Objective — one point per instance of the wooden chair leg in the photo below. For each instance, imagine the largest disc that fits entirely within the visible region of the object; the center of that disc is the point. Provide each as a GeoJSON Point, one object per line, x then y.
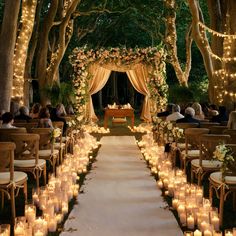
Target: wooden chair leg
{"type": "Point", "coordinates": [199, 177]}
{"type": "Point", "coordinates": [25, 191]}
{"type": "Point", "coordinates": [13, 207]}
{"type": "Point", "coordinates": [2, 203]}
{"type": "Point", "coordinates": [221, 208]}
{"type": "Point", "coordinates": [45, 174]}
{"type": "Point", "coordinates": [37, 178]}
{"type": "Point", "coordinates": [211, 193]}
{"type": "Point", "coordinates": [192, 175]}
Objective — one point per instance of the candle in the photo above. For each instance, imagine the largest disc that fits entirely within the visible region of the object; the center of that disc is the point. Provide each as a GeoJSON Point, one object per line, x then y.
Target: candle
{"type": "Point", "coordinates": [52, 225]}
{"type": "Point", "coordinates": [160, 184]}
{"type": "Point", "coordinates": [228, 233]}
{"type": "Point", "coordinates": [175, 203]}
{"type": "Point", "coordinates": [207, 233]}
{"type": "Point", "coordinates": [215, 221]}
{"type": "Point", "coordinates": [190, 222]}
{"type": "Point", "coordinates": [182, 217]}
{"type": "Point", "coordinates": [30, 213]}
{"type": "Point", "coordinates": [19, 230]}
{"type": "Point", "coordinates": [217, 233]}
{"type": "Point", "coordinates": [38, 233]}
{"type": "Point", "coordinates": [59, 218]}
{"type": "Point", "coordinates": [197, 233]}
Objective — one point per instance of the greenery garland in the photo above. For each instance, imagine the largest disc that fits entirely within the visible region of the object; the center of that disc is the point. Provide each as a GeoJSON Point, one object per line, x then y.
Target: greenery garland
{"type": "Point", "coordinates": [83, 57]}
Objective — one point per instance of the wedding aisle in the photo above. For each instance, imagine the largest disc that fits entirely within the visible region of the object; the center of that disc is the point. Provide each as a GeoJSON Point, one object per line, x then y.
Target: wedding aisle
{"type": "Point", "coordinates": [120, 197]}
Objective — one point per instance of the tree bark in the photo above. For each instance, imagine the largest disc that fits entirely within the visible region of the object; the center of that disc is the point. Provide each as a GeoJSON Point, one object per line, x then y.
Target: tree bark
{"type": "Point", "coordinates": [7, 45]}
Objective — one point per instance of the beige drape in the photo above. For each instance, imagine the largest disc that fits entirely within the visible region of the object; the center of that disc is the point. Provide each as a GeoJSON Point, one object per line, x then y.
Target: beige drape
{"type": "Point", "coordinates": [137, 74]}
{"type": "Point", "coordinates": [138, 78]}
{"type": "Point", "coordinates": [99, 78]}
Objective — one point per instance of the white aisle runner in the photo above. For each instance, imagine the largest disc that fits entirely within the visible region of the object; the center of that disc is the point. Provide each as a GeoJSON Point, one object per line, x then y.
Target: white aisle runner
{"type": "Point", "coordinates": [120, 197]}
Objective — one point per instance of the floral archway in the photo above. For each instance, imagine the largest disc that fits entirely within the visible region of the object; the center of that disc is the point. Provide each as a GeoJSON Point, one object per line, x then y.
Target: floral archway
{"type": "Point", "coordinates": [145, 68]}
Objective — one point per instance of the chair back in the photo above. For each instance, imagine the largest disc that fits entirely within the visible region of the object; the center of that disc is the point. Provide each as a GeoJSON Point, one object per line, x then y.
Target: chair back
{"type": "Point", "coordinates": [28, 126]}
{"type": "Point", "coordinates": [232, 133]}
{"type": "Point", "coordinates": [185, 126]}
{"type": "Point", "coordinates": [208, 144]}
{"type": "Point", "coordinates": [217, 129]}
{"type": "Point", "coordinates": [34, 121]}
{"type": "Point", "coordinates": [192, 137]}
{"type": "Point", "coordinates": [208, 124]}
{"type": "Point", "coordinates": [5, 133]}
{"type": "Point", "coordinates": [27, 146]}
{"type": "Point", "coordinates": [19, 121]}
{"type": "Point", "coordinates": [7, 157]}
{"type": "Point", "coordinates": [45, 137]}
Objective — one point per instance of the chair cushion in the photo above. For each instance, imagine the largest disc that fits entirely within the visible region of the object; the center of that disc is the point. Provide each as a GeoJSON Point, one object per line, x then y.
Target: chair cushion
{"type": "Point", "coordinates": [217, 177]}
{"type": "Point", "coordinates": [206, 163]}
{"type": "Point", "coordinates": [182, 145]}
{"type": "Point", "coordinates": [47, 152]}
{"type": "Point", "coordinates": [28, 163]}
{"type": "Point", "coordinates": [192, 153]}
{"type": "Point", "coordinates": [18, 177]}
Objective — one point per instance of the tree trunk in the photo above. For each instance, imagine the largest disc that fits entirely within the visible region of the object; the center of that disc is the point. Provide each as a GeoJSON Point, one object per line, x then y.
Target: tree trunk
{"type": "Point", "coordinates": [7, 45]}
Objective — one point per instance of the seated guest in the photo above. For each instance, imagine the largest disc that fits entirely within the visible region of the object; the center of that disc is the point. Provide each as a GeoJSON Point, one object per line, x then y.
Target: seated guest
{"type": "Point", "coordinates": [189, 113]}
{"type": "Point", "coordinates": [222, 116]}
{"type": "Point", "coordinates": [175, 114]}
{"type": "Point", "coordinates": [7, 120]}
{"type": "Point", "coordinates": [44, 119]}
{"type": "Point", "coordinates": [24, 114]}
{"type": "Point", "coordinates": [232, 120]}
{"type": "Point", "coordinates": [55, 116]}
{"type": "Point", "coordinates": [167, 112]}
{"type": "Point", "coordinates": [70, 110]}
{"type": "Point", "coordinates": [199, 115]}
{"type": "Point", "coordinates": [35, 111]}
{"type": "Point", "coordinates": [212, 111]}
{"type": "Point", "coordinates": [60, 110]}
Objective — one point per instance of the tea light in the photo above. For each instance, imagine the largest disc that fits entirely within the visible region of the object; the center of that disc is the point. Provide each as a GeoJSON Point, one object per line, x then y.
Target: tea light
{"type": "Point", "coordinates": [160, 184]}
{"type": "Point", "coordinates": [19, 230]}
{"type": "Point", "coordinates": [182, 218]}
{"type": "Point", "coordinates": [217, 233]}
{"type": "Point", "coordinates": [197, 233]}
{"type": "Point", "coordinates": [59, 218]}
{"type": "Point", "coordinates": [38, 233]}
{"type": "Point", "coordinates": [175, 203]}
{"type": "Point", "coordinates": [30, 213]}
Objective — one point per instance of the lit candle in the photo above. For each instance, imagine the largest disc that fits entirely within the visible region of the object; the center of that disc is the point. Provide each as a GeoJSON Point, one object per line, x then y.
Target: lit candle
{"type": "Point", "coordinates": [228, 233]}
{"type": "Point", "coordinates": [19, 230]}
{"type": "Point", "coordinates": [175, 203]}
{"type": "Point", "coordinates": [215, 222]}
{"type": "Point", "coordinates": [30, 214]}
{"type": "Point", "coordinates": [38, 233]}
{"type": "Point", "coordinates": [190, 222]}
{"type": "Point", "coordinates": [52, 225]}
{"type": "Point", "coordinates": [160, 184]}
{"type": "Point", "coordinates": [182, 218]}
{"type": "Point", "coordinates": [197, 233]}
{"type": "Point", "coordinates": [207, 233]}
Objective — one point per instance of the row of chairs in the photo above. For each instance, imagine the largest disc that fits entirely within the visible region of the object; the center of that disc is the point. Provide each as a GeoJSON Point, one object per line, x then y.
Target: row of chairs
{"type": "Point", "coordinates": [22, 152]}
{"type": "Point", "coordinates": [196, 153]}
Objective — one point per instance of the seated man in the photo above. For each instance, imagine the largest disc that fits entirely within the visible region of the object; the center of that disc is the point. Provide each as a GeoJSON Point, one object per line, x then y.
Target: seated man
{"type": "Point", "coordinates": [7, 120]}
{"type": "Point", "coordinates": [175, 114]}
{"type": "Point", "coordinates": [189, 113]}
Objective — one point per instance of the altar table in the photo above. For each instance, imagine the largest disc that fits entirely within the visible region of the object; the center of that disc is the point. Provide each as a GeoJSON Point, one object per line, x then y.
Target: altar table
{"type": "Point", "coordinates": [118, 113]}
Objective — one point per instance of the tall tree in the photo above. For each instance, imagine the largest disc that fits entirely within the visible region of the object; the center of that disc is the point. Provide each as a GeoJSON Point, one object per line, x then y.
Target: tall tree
{"type": "Point", "coordinates": [8, 31]}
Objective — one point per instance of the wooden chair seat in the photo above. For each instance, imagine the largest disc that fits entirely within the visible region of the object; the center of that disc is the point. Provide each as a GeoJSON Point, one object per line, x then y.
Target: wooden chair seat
{"type": "Point", "coordinates": [119, 120]}
{"type": "Point", "coordinates": [48, 152]}
{"type": "Point", "coordinates": [29, 163]}
{"type": "Point", "coordinates": [19, 178]}
{"type": "Point", "coordinates": [207, 164]}
{"type": "Point", "coordinates": [217, 178]}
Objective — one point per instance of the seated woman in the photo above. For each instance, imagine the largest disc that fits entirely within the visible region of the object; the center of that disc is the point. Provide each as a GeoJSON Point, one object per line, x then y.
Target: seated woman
{"type": "Point", "coordinates": [232, 120]}
{"type": "Point", "coordinates": [35, 111]}
{"type": "Point", "coordinates": [199, 115]}
{"type": "Point", "coordinates": [44, 119]}
{"type": "Point", "coordinates": [7, 120]}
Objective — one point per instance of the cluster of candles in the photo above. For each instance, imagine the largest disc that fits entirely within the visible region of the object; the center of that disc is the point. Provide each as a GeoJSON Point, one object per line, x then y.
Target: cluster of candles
{"type": "Point", "coordinates": [96, 129]}
{"type": "Point", "coordinates": [194, 211]}
{"type": "Point", "coordinates": [141, 128]}
{"type": "Point", "coordinates": [53, 199]}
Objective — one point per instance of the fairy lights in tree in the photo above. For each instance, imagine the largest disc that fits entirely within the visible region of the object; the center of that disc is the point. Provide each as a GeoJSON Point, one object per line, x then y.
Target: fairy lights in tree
{"type": "Point", "coordinates": [22, 42]}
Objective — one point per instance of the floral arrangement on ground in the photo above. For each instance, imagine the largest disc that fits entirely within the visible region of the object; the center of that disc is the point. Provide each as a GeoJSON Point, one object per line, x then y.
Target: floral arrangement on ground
{"type": "Point", "coordinates": [153, 57]}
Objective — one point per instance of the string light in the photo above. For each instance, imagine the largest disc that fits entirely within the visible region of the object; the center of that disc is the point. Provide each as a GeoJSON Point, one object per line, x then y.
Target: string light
{"type": "Point", "coordinates": [22, 42]}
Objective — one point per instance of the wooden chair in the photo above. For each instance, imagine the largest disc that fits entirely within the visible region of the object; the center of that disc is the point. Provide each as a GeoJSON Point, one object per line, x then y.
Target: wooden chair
{"type": "Point", "coordinates": [59, 144]}
{"type": "Point", "coordinates": [46, 147]}
{"type": "Point", "coordinates": [19, 121]}
{"type": "Point", "coordinates": [232, 133]}
{"type": "Point", "coordinates": [205, 164]}
{"type": "Point", "coordinates": [5, 133]}
{"type": "Point", "coordinates": [222, 187]}
{"type": "Point", "coordinates": [27, 155]}
{"type": "Point", "coordinates": [192, 145]}
{"type": "Point", "coordinates": [217, 129]}
{"type": "Point", "coordinates": [184, 126]}
{"type": "Point", "coordinates": [10, 179]}
{"type": "Point", "coordinates": [207, 125]}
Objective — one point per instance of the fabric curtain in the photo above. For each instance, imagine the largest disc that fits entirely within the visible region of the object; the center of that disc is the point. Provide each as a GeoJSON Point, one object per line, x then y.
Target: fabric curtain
{"type": "Point", "coordinates": [99, 78]}
{"type": "Point", "coordinates": [138, 77]}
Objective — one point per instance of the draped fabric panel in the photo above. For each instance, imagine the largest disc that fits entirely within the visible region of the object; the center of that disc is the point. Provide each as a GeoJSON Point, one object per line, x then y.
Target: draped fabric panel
{"type": "Point", "coordinates": [138, 78]}
{"type": "Point", "coordinates": [96, 83]}
{"type": "Point", "coordinates": [137, 74]}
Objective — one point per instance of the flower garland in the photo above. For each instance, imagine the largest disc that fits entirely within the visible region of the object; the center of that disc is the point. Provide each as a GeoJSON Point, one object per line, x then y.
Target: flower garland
{"type": "Point", "coordinates": [154, 57]}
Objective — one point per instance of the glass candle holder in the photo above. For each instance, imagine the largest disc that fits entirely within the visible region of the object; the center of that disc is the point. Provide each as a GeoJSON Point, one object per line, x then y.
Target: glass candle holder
{"type": "Point", "coordinates": [5, 230]}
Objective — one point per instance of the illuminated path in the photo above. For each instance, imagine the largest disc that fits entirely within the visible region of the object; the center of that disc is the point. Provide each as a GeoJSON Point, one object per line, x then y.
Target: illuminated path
{"type": "Point", "coordinates": [120, 197]}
